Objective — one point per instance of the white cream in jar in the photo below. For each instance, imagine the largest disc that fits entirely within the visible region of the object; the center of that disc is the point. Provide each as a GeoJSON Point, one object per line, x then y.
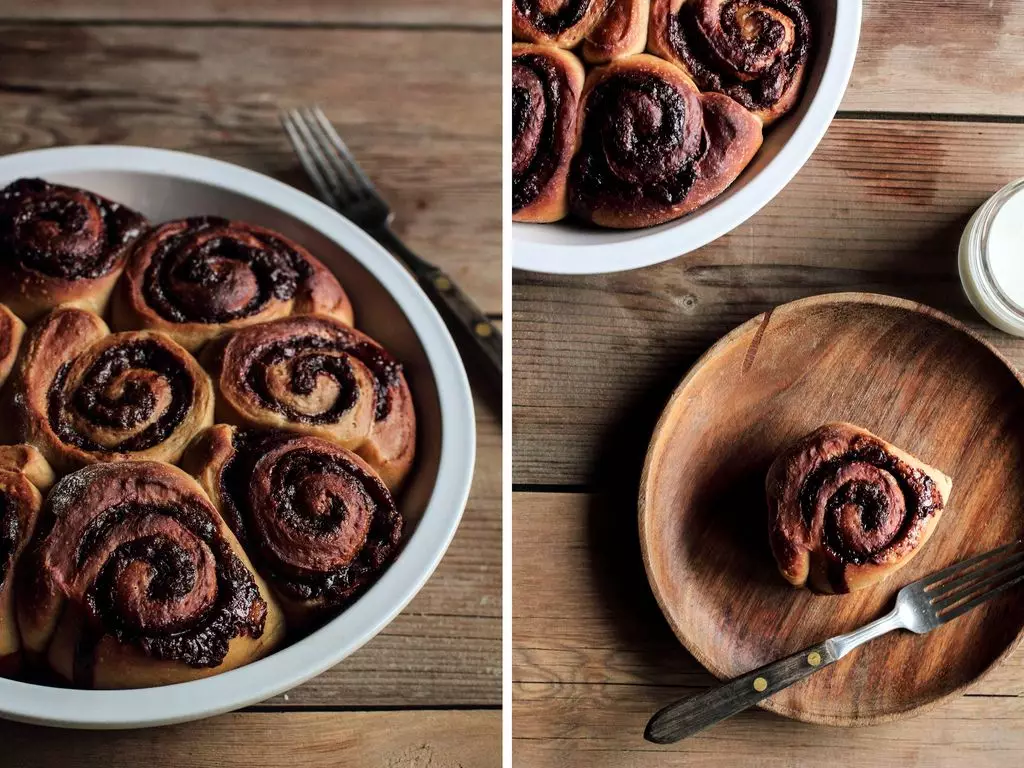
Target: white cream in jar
{"type": "Point", "coordinates": [992, 259]}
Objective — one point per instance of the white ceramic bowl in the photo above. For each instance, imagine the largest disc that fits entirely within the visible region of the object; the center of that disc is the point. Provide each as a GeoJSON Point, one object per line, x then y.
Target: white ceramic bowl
{"type": "Point", "coordinates": [391, 308]}
{"type": "Point", "coordinates": [572, 248]}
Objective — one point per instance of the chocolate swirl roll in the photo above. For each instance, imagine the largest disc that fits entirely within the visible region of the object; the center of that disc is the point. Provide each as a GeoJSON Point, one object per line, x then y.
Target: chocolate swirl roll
{"type": "Point", "coordinates": [12, 330]}
{"type": "Point", "coordinates": [61, 245]}
{"type": "Point", "coordinates": [608, 29]}
{"type": "Point", "coordinates": [82, 394]}
{"type": "Point", "coordinates": [546, 85]}
{"type": "Point", "coordinates": [755, 51]}
{"type": "Point", "coordinates": [846, 508]}
{"type": "Point", "coordinates": [24, 478]}
{"type": "Point", "coordinates": [197, 278]}
{"type": "Point", "coordinates": [134, 580]}
{"type": "Point", "coordinates": [313, 375]}
{"type": "Point", "coordinates": [651, 147]}
{"type": "Point", "coordinates": [319, 522]}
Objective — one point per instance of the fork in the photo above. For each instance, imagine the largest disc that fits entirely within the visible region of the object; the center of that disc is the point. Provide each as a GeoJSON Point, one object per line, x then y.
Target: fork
{"type": "Point", "coordinates": [343, 185]}
{"type": "Point", "coordinates": [921, 606]}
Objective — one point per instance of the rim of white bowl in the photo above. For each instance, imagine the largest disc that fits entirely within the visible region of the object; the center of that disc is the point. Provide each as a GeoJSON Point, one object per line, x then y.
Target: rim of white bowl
{"type": "Point", "coordinates": [421, 553]}
{"type": "Point", "coordinates": [698, 229]}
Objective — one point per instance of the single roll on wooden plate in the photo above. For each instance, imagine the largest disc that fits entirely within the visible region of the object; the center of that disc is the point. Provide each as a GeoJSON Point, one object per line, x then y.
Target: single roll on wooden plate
{"type": "Point", "coordinates": [134, 580]}
{"type": "Point", "coordinates": [195, 279]}
{"type": "Point", "coordinates": [320, 524]}
{"type": "Point", "coordinates": [846, 508]}
{"type": "Point", "coordinates": [313, 375]}
{"type": "Point", "coordinates": [82, 394]}
{"type": "Point", "coordinates": [899, 369]}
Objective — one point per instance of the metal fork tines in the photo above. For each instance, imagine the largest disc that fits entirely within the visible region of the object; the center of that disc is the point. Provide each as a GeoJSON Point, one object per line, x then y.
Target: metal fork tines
{"type": "Point", "coordinates": [333, 169]}
{"type": "Point", "coordinates": [343, 185]}
{"type": "Point", "coordinates": [953, 591]}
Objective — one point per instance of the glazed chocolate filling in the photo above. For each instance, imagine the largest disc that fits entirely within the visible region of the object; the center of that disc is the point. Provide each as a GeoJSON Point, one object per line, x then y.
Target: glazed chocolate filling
{"type": "Point", "coordinates": [199, 640]}
{"type": "Point", "coordinates": [10, 531]}
{"type": "Point", "coordinates": [92, 400]}
{"type": "Point", "coordinates": [716, 70]}
{"type": "Point", "coordinates": [310, 357]}
{"type": "Point", "coordinates": [63, 232]}
{"type": "Point", "coordinates": [336, 586]}
{"type": "Point", "coordinates": [636, 149]}
{"type": "Point", "coordinates": [920, 500]}
{"type": "Point", "coordinates": [567, 16]}
{"type": "Point", "coordinates": [538, 90]}
{"type": "Point", "coordinates": [222, 278]}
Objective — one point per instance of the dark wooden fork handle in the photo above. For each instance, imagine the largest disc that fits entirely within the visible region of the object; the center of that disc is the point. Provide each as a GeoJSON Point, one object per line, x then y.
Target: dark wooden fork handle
{"type": "Point", "coordinates": [480, 338]}
{"type": "Point", "coordinates": [688, 716]}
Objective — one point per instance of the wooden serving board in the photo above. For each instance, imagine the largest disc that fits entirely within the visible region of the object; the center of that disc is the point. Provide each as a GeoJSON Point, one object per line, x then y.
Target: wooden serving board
{"type": "Point", "coordinates": [902, 370]}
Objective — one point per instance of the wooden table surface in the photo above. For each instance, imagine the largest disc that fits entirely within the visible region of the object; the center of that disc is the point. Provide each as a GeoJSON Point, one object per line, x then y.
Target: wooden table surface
{"type": "Point", "coordinates": [415, 89]}
{"type": "Point", "coordinates": [932, 124]}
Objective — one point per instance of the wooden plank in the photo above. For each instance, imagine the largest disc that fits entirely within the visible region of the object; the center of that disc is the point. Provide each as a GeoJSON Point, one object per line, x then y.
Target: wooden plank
{"type": "Point", "coordinates": [948, 57]}
{"type": "Point", "coordinates": [469, 13]}
{"type": "Point", "coordinates": [442, 739]}
{"type": "Point", "coordinates": [583, 613]}
{"type": "Point", "coordinates": [425, 124]}
{"type": "Point", "coordinates": [915, 56]}
{"type": "Point", "coordinates": [575, 725]}
{"type": "Point", "coordinates": [445, 648]}
{"type": "Point", "coordinates": [879, 207]}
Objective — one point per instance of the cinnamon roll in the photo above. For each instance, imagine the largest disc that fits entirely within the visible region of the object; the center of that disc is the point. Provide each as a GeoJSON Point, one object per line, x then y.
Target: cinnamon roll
{"type": "Point", "coordinates": [754, 51]}
{"type": "Point", "coordinates": [847, 509]}
{"type": "Point", "coordinates": [12, 329]}
{"type": "Point", "coordinates": [61, 245]}
{"type": "Point", "coordinates": [650, 147]}
{"type": "Point", "coordinates": [82, 394]}
{"type": "Point", "coordinates": [546, 85]}
{"type": "Point", "coordinates": [608, 28]}
{"type": "Point", "coordinates": [319, 523]}
{"type": "Point", "coordinates": [24, 478]}
{"type": "Point", "coordinates": [134, 580]}
{"type": "Point", "coordinates": [314, 375]}
{"type": "Point", "coordinates": [197, 278]}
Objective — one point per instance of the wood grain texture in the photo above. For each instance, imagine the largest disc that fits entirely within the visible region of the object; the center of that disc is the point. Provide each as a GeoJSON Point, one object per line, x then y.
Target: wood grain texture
{"type": "Point", "coordinates": [893, 367]}
{"type": "Point", "coordinates": [411, 739]}
{"type": "Point", "coordinates": [879, 207]}
{"type": "Point", "coordinates": [587, 726]}
{"type": "Point", "coordinates": [468, 13]}
{"type": "Point", "coordinates": [928, 57]}
{"type": "Point", "coordinates": [426, 124]}
{"type": "Point", "coordinates": [588, 672]}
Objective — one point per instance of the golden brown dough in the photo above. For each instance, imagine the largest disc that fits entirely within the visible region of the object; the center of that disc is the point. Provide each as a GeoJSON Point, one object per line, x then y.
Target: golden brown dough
{"type": "Point", "coordinates": [546, 86]}
{"type": "Point", "coordinates": [82, 394]}
{"type": "Point", "coordinates": [61, 245]}
{"type": "Point", "coordinates": [134, 580]}
{"type": "Point", "coordinates": [608, 29]}
{"type": "Point", "coordinates": [197, 278]}
{"type": "Point", "coordinates": [319, 523]}
{"type": "Point", "coordinates": [754, 51]}
{"type": "Point", "coordinates": [650, 147]}
{"type": "Point", "coordinates": [12, 329]}
{"type": "Point", "coordinates": [847, 509]}
{"type": "Point", "coordinates": [314, 375]}
{"type": "Point", "coordinates": [24, 478]}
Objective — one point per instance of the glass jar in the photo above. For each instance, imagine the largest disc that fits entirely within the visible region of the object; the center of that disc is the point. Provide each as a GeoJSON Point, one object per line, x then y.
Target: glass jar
{"type": "Point", "coordinates": [994, 293]}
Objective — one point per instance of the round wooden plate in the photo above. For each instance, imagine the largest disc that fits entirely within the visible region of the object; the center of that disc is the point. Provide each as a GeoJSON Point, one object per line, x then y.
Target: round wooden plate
{"type": "Point", "coordinates": [909, 374]}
